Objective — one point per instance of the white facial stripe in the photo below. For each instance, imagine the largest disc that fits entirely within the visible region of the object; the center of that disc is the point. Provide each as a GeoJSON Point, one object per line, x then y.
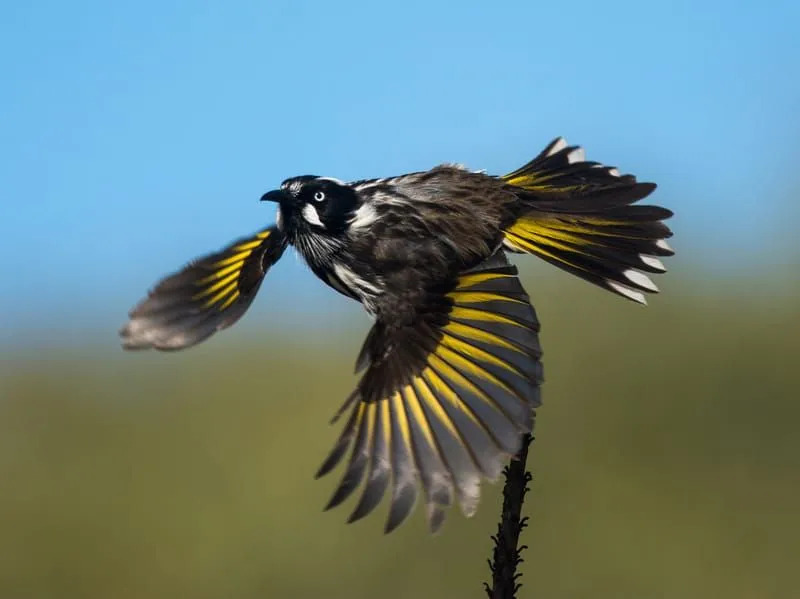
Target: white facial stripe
{"type": "Point", "coordinates": [311, 215]}
{"type": "Point", "coordinates": [279, 219]}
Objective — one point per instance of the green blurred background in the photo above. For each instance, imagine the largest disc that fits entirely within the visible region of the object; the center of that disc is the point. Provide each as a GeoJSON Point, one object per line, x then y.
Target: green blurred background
{"type": "Point", "coordinates": [665, 462]}
{"type": "Point", "coordinates": [136, 136]}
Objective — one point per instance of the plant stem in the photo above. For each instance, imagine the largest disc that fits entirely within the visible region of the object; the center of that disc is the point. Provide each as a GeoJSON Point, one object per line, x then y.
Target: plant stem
{"type": "Point", "coordinates": [506, 555]}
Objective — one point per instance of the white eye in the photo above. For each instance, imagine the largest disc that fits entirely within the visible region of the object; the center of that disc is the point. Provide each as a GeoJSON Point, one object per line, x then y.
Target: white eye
{"type": "Point", "coordinates": [319, 196]}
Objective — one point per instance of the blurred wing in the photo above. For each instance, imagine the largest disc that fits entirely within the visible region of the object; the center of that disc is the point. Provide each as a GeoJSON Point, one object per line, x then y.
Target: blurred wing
{"type": "Point", "coordinates": [209, 294]}
{"type": "Point", "coordinates": [445, 401]}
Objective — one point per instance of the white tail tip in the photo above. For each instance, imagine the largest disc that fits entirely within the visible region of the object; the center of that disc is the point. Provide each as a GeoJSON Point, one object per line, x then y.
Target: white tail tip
{"type": "Point", "coordinates": [640, 279]}
{"type": "Point", "coordinates": [560, 144]}
{"type": "Point", "coordinates": [636, 296]}
{"type": "Point", "coordinates": [652, 262]}
{"type": "Point", "coordinates": [661, 243]}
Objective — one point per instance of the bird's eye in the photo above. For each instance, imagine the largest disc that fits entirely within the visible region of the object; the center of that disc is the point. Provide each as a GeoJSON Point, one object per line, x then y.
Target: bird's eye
{"type": "Point", "coordinates": [319, 196]}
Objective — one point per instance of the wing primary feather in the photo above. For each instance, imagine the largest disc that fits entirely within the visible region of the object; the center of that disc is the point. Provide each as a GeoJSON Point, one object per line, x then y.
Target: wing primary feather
{"type": "Point", "coordinates": [379, 469]}
{"type": "Point", "coordinates": [527, 364]}
{"type": "Point", "coordinates": [517, 339]}
{"type": "Point", "coordinates": [485, 280]}
{"type": "Point", "coordinates": [342, 443]}
{"type": "Point", "coordinates": [518, 311]}
{"type": "Point", "coordinates": [358, 458]}
{"type": "Point", "coordinates": [404, 489]}
{"type": "Point", "coordinates": [473, 297]}
{"type": "Point", "coordinates": [516, 386]}
{"type": "Point", "coordinates": [467, 349]}
{"type": "Point", "coordinates": [453, 449]}
{"type": "Point", "coordinates": [437, 480]}
{"type": "Point", "coordinates": [482, 408]}
{"type": "Point", "coordinates": [207, 295]}
{"type": "Point", "coordinates": [470, 324]}
{"type": "Point", "coordinates": [481, 378]}
{"type": "Point", "coordinates": [444, 400]}
{"type": "Point", "coordinates": [502, 429]}
{"type": "Point", "coordinates": [351, 399]}
{"type": "Point", "coordinates": [482, 447]}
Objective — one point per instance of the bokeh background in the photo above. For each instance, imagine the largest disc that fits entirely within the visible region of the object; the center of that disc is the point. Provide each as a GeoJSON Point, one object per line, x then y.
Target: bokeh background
{"type": "Point", "coordinates": [136, 136]}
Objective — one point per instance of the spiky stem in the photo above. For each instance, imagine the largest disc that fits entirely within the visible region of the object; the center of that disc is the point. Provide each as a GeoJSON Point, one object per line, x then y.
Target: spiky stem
{"type": "Point", "coordinates": [506, 554]}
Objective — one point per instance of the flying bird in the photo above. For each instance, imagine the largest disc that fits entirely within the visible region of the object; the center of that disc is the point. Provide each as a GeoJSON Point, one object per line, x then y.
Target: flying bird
{"type": "Point", "coordinates": [451, 368]}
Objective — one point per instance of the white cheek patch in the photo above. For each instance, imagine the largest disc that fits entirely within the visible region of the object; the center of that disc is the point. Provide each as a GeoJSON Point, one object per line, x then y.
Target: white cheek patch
{"type": "Point", "coordinates": [364, 216]}
{"type": "Point", "coordinates": [279, 219]}
{"type": "Point", "coordinates": [312, 216]}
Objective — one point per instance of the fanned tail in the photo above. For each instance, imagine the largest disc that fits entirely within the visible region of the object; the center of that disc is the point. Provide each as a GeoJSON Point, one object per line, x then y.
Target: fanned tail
{"type": "Point", "coordinates": [580, 216]}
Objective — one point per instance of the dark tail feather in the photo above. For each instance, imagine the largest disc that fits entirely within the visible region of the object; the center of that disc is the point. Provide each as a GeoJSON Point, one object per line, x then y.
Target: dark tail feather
{"type": "Point", "coordinates": [580, 216]}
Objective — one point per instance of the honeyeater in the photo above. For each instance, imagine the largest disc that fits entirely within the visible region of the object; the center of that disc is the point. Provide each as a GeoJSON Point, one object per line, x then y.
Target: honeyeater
{"type": "Point", "coordinates": [451, 369]}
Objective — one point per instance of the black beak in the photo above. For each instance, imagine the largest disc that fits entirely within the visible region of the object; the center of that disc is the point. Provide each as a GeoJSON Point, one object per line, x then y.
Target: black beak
{"type": "Point", "coordinates": [276, 195]}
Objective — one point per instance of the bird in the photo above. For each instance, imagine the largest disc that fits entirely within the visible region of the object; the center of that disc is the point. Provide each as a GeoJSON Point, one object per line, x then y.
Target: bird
{"type": "Point", "coordinates": [450, 371]}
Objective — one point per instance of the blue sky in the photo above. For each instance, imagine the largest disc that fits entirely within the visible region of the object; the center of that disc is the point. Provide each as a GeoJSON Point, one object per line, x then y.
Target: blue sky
{"type": "Point", "coordinates": [138, 135]}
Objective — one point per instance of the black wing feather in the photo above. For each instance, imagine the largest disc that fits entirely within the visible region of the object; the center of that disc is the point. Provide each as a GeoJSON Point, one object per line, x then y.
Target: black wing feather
{"type": "Point", "coordinates": [209, 294]}
{"type": "Point", "coordinates": [443, 401]}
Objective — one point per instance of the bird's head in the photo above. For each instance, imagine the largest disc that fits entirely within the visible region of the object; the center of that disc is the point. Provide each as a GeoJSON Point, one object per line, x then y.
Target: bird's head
{"type": "Point", "coordinates": [311, 205]}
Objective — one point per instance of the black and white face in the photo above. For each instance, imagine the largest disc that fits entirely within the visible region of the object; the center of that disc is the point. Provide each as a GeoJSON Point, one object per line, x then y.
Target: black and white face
{"type": "Point", "coordinates": [310, 205]}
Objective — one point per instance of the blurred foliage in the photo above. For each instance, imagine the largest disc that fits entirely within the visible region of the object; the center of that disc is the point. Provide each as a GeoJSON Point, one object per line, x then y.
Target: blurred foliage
{"type": "Point", "coordinates": [665, 463]}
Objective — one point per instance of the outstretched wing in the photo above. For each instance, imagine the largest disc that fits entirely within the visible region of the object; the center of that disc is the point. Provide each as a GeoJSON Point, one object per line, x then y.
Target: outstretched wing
{"type": "Point", "coordinates": [444, 401]}
{"type": "Point", "coordinates": [209, 294]}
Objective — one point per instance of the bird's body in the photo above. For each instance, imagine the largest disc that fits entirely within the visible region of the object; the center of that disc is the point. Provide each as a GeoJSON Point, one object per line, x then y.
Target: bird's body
{"type": "Point", "coordinates": [400, 240]}
{"type": "Point", "coordinates": [451, 365]}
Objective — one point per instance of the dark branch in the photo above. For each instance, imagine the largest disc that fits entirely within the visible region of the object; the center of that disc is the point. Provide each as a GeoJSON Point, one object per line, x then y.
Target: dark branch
{"type": "Point", "coordinates": [506, 555]}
